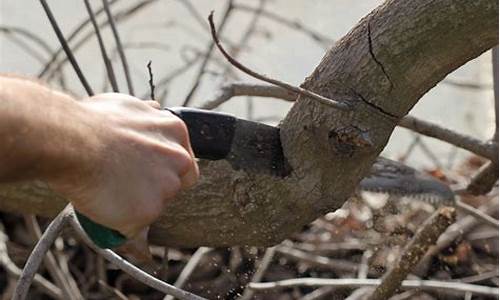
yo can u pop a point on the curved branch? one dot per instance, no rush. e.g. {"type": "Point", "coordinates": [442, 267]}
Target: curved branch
{"type": "Point", "coordinates": [37, 255]}
{"type": "Point", "coordinates": [11, 269]}
{"type": "Point", "coordinates": [132, 270]}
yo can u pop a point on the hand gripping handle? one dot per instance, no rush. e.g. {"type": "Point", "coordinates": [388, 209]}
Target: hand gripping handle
{"type": "Point", "coordinates": [211, 134]}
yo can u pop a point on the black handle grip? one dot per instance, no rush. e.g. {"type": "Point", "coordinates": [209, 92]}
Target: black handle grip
{"type": "Point", "coordinates": [211, 133]}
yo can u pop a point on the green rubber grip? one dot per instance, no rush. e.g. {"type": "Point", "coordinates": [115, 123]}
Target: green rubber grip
{"type": "Point", "coordinates": [101, 235]}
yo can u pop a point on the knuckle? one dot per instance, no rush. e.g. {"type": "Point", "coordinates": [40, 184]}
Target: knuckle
{"type": "Point", "coordinates": [172, 188]}
{"type": "Point", "coordinates": [181, 129]}
{"type": "Point", "coordinates": [183, 160]}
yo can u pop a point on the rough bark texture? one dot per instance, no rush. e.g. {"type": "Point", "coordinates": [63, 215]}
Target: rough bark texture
{"type": "Point", "coordinates": [382, 67]}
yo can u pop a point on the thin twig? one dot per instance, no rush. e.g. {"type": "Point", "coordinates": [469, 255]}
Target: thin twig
{"type": "Point", "coordinates": [320, 293]}
{"type": "Point", "coordinates": [336, 265]}
{"type": "Point", "coordinates": [465, 84]}
{"type": "Point", "coordinates": [485, 149]}
{"type": "Point", "coordinates": [430, 154]}
{"type": "Point", "coordinates": [448, 287]}
{"type": "Point", "coordinates": [151, 82]}
{"type": "Point", "coordinates": [26, 48]}
{"type": "Point", "coordinates": [71, 36]}
{"type": "Point", "coordinates": [66, 48]}
{"type": "Point", "coordinates": [364, 265]}
{"type": "Point", "coordinates": [299, 90]}
{"type": "Point", "coordinates": [28, 35]}
{"type": "Point", "coordinates": [164, 82]}
{"type": "Point", "coordinates": [245, 37]}
{"type": "Point", "coordinates": [62, 280]}
{"type": "Point", "coordinates": [112, 290]}
{"type": "Point", "coordinates": [189, 269]}
{"type": "Point", "coordinates": [316, 36]}
{"type": "Point", "coordinates": [13, 33]}
{"type": "Point", "coordinates": [208, 54]}
{"type": "Point", "coordinates": [414, 251]}
{"type": "Point", "coordinates": [196, 15]}
{"type": "Point", "coordinates": [132, 270]}
{"type": "Point", "coordinates": [119, 17]}
{"type": "Point", "coordinates": [484, 180]}
{"type": "Point", "coordinates": [121, 52]}
{"type": "Point", "coordinates": [360, 293]}
{"type": "Point", "coordinates": [494, 64]}
{"type": "Point", "coordinates": [459, 228]}
{"type": "Point", "coordinates": [486, 219]}
{"type": "Point", "coordinates": [332, 246]}
{"type": "Point", "coordinates": [228, 91]}
{"type": "Point", "coordinates": [259, 274]}
{"type": "Point", "coordinates": [11, 269]}
{"type": "Point", "coordinates": [478, 277]}
{"type": "Point", "coordinates": [37, 255]}
{"type": "Point", "coordinates": [102, 48]}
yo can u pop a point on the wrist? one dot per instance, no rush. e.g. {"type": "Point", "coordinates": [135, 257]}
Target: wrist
{"type": "Point", "coordinates": [45, 132]}
{"type": "Point", "coordinates": [72, 143]}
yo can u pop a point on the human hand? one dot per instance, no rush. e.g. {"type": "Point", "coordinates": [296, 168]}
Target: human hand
{"type": "Point", "coordinates": [139, 158]}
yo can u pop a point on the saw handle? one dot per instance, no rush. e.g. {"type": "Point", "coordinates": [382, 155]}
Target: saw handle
{"type": "Point", "coordinates": [211, 135]}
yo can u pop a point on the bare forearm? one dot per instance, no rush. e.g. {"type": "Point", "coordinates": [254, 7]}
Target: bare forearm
{"type": "Point", "coordinates": [35, 127]}
{"type": "Point", "coordinates": [110, 155]}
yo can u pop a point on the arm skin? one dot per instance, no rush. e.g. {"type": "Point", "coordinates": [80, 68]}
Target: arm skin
{"type": "Point", "coordinates": [117, 159]}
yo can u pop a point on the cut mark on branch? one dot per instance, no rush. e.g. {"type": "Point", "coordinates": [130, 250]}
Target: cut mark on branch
{"type": "Point", "coordinates": [151, 82]}
{"type": "Point", "coordinates": [370, 47]}
{"type": "Point", "coordinates": [299, 90]}
{"type": "Point", "coordinates": [376, 107]}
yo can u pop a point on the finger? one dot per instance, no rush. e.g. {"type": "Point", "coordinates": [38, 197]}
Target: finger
{"type": "Point", "coordinates": [181, 133]}
{"type": "Point", "coordinates": [153, 104]}
{"type": "Point", "coordinates": [191, 177]}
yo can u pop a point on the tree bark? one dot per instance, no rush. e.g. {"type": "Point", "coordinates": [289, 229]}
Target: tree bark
{"type": "Point", "coordinates": [381, 67]}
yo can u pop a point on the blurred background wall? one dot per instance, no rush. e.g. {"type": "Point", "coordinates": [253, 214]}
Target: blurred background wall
{"type": "Point", "coordinates": [286, 40]}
